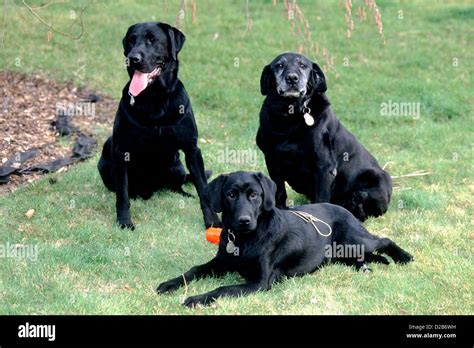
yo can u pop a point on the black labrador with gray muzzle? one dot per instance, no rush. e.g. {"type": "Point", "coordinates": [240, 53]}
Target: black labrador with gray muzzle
{"type": "Point", "coordinates": [154, 120]}
{"type": "Point", "coordinates": [305, 145]}
{"type": "Point", "coordinates": [265, 244]}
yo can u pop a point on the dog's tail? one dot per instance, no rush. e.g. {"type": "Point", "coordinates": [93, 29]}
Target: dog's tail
{"type": "Point", "coordinates": [189, 177]}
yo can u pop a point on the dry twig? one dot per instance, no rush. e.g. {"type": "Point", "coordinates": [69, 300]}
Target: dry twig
{"type": "Point", "coordinates": [33, 11]}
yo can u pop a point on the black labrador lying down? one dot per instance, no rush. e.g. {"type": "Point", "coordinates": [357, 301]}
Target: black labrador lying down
{"type": "Point", "coordinates": [154, 120]}
{"type": "Point", "coordinates": [305, 145]}
{"type": "Point", "coordinates": [265, 244]}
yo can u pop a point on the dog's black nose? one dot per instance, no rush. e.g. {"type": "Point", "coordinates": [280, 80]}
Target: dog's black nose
{"type": "Point", "coordinates": [292, 78]}
{"type": "Point", "coordinates": [134, 58]}
{"type": "Point", "coordinates": [244, 220]}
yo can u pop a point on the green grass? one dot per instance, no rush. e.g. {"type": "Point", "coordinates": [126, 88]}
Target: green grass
{"type": "Point", "coordinates": [88, 265]}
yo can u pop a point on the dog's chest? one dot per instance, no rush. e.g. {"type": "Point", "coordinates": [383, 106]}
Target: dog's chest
{"type": "Point", "coordinates": [245, 261]}
{"type": "Point", "coordinates": [300, 150]}
{"type": "Point", "coordinates": [163, 136]}
{"type": "Point", "coordinates": [153, 139]}
{"type": "Point", "coordinates": [295, 150]}
{"type": "Point", "coordinates": [249, 269]}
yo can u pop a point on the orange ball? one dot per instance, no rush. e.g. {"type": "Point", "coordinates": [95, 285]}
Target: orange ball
{"type": "Point", "coordinates": [213, 234]}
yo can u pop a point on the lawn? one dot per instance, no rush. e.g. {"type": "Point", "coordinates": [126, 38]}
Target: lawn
{"type": "Point", "coordinates": [87, 265]}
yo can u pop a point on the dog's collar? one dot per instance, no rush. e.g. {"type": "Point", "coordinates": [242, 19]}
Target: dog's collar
{"type": "Point", "coordinates": [305, 107]}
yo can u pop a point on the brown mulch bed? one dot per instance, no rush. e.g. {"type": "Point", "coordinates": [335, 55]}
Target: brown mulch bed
{"type": "Point", "coordinates": [28, 106]}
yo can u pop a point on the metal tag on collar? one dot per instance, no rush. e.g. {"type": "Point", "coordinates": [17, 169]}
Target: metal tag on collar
{"type": "Point", "coordinates": [230, 247]}
{"type": "Point", "coordinates": [132, 99]}
{"type": "Point", "coordinates": [308, 119]}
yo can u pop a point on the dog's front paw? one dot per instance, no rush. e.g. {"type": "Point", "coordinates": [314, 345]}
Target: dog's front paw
{"type": "Point", "coordinates": [215, 224]}
{"type": "Point", "coordinates": [194, 301]}
{"type": "Point", "coordinates": [126, 224]}
{"type": "Point", "coordinates": [168, 286]}
{"type": "Point", "coordinates": [212, 220]}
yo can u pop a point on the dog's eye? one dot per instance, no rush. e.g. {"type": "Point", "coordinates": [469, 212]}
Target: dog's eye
{"type": "Point", "coordinates": [253, 195]}
{"type": "Point", "coordinates": [279, 65]}
{"type": "Point", "coordinates": [303, 66]}
{"type": "Point", "coordinates": [231, 195]}
{"type": "Point", "coordinates": [151, 40]}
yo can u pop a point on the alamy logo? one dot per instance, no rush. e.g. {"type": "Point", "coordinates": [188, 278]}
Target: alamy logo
{"type": "Point", "coordinates": [76, 109]}
{"type": "Point", "coordinates": [351, 251]}
{"type": "Point", "coordinates": [237, 156]}
{"type": "Point", "coordinates": [392, 108]}
{"type": "Point", "coordinates": [20, 251]}
{"type": "Point", "coordinates": [37, 331]}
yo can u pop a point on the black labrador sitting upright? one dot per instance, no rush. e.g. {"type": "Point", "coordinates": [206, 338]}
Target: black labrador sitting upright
{"type": "Point", "coordinates": [305, 145]}
{"type": "Point", "coordinates": [264, 244]}
{"type": "Point", "coordinates": [154, 120]}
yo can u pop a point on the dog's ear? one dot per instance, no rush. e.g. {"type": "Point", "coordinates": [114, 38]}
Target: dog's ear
{"type": "Point", "coordinates": [269, 191]}
{"type": "Point", "coordinates": [213, 193]}
{"type": "Point", "coordinates": [267, 80]}
{"type": "Point", "coordinates": [317, 80]}
{"type": "Point", "coordinates": [176, 39]}
{"type": "Point", "coordinates": [124, 44]}
{"type": "Point", "coordinates": [124, 40]}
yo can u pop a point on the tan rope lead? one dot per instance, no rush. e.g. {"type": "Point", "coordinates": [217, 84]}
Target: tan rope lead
{"type": "Point", "coordinates": [307, 217]}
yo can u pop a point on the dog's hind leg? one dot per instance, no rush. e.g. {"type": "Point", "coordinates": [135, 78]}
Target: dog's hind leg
{"type": "Point", "coordinates": [387, 246]}
{"type": "Point", "coordinates": [190, 178]}
{"type": "Point", "coordinates": [362, 266]}
{"type": "Point", "coordinates": [175, 178]}
{"type": "Point", "coordinates": [171, 177]}
{"type": "Point", "coordinates": [106, 166]}
{"type": "Point", "coordinates": [371, 244]}
{"type": "Point", "coordinates": [375, 258]}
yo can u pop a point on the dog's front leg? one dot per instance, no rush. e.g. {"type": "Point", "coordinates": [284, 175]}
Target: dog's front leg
{"type": "Point", "coordinates": [213, 268]}
{"type": "Point", "coordinates": [229, 291]}
{"type": "Point", "coordinates": [324, 182]}
{"type": "Point", "coordinates": [195, 164]}
{"type": "Point", "coordinates": [325, 170]}
{"type": "Point", "coordinates": [273, 167]}
{"type": "Point", "coordinates": [265, 282]}
{"type": "Point", "coordinates": [280, 196]}
{"type": "Point", "coordinates": [122, 204]}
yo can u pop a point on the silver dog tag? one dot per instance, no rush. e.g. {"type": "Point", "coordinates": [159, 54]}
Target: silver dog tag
{"type": "Point", "coordinates": [230, 247]}
{"type": "Point", "coordinates": [132, 98]}
{"type": "Point", "coordinates": [308, 119]}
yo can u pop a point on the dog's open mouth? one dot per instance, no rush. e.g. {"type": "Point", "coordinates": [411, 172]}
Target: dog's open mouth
{"type": "Point", "coordinates": [140, 80]}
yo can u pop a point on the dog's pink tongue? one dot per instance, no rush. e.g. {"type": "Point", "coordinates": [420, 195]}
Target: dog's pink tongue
{"type": "Point", "coordinates": [139, 83]}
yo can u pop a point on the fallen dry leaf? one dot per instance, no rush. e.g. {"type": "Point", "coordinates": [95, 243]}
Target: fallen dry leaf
{"type": "Point", "coordinates": [29, 214]}
{"type": "Point", "coordinates": [205, 141]}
